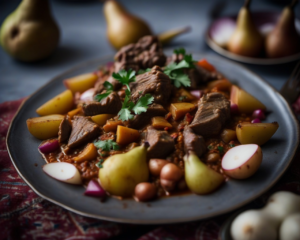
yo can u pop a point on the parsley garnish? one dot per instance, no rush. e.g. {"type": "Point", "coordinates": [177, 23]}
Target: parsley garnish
{"type": "Point", "coordinates": [231, 145]}
{"type": "Point", "coordinates": [106, 145]}
{"type": "Point", "coordinates": [210, 147]}
{"type": "Point", "coordinates": [109, 88]}
{"type": "Point", "coordinates": [99, 164]}
{"type": "Point", "coordinates": [179, 51]}
{"type": "Point", "coordinates": [181, 98]}
{"type": "Point", "coordinates": [221, 149]}
{"type": "Point", "coordinates": [141, 71]}
{"type": "Point", "coordinates": [128, 106]}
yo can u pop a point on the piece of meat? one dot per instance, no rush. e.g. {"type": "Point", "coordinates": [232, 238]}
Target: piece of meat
{"type": "Point", "coordinates": [139, 121]}
{"type": "Point", "coordinates": [146, 53]}
{"type": "Point", "coordinates": [161, 143]}
{"type": "Point", "coordinates": [110, 105]}
{"type": "Point", "coordinates": [154, 82]}
{"type": "Point", "coordinates": [99, 88]}
{"type": "Point", "coordinates": [64, 131]}
{"type": "Point", "coordinates": [193, 142]}
{"type": "Point", "coordinates": [213, 111]}
{"type": "Point", "coordinates": [83, 131]}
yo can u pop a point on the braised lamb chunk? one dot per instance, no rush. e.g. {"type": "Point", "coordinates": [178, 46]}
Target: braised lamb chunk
{"type": "Point", "coordinates": [193, 142]}
{"type": "Point", "coordinates": [146, 53]}
{"type": "Point", "coordinates": [111, 105]}
{"type": "Point", "coordinates": [161, 143]}
{"type": "Point", "coordinates": [64, 131]}
{"type": "Point", "coordinates": [83, 131]}
{"type": "Point", "coordinates": [213, 111]}
{"type": "Point", "coordinates": [154, 82]}
{"type": "Point", "coordinates": [139, 121]}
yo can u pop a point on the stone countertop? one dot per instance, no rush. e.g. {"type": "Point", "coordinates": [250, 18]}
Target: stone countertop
{"type": "Point", "coordinates": [83, 38]}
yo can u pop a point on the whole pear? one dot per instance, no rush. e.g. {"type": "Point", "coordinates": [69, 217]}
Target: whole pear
{"type": "Point", "coordinates": [284, 39]}
{"type": "Point", "coordinates": [246, 40]}
{"type": "Point", "coordinates": [123, 28]}
{"type": "Point", "coordinates": [122, 172]}
{"type": "Point", "coordinates": [199, 178]}
{"type": "Point", "coordinates": [30, 33]}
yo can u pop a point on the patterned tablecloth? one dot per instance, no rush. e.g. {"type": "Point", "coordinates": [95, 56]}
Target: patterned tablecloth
{"type": "Point", "coordinates": [24, 215]}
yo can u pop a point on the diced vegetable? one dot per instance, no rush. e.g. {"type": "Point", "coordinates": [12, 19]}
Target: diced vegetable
{"type": "Point", "coordinates": [234, 109]}
{"type": "Point", "coordinates": [222, 85]}
{"type": "Point", "coordinates": [94, 189]}
{"type": "Point", "coordinates": [44, 127]}
{"type": "Point", "coordinates": [185, 95]}
{"type": "Point", "coordinates": [101, 118]}
{"type": "Point", "coordinates": [127, 135]}
{"type": "Point", "coordinates": [88, 95]}
{"type": "Point", "coordinates": [89, 153]}
{"type": "Point", "coordinates": [178, 110]}
{"type": "Point", "coordinates": [258, 113]}
{"type": "Point", "coordinates": [160, 123]}
{"type": "Point", "coordinates": [60, 104]}
{"type": "Point", "coordinates": [228, 135]}
{"type": "Point", "coordinates": [246, 102]}
{"type": "Point", "coordinates": [257, 133]}
{"type": "Point", "coordinates": [49, 146]}
{"type": "Point", "coordinates": [197, 93]}
{"type": "Point", "coordinates": [206, 65]}
{"type": "Point", "coordinates": [256, 120]}
{"type": "Point", "coordinates": [72, 113]}
{"type": "Point", "coordinates": [62, 171]}
{"type": "Point", "coordinates": [242, 161]}
{"type": "Point", "coordinates": [81, 83]}
{"type": "Point", "coordinates": [112, 125]}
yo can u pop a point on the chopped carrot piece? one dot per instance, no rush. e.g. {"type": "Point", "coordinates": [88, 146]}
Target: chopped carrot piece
{"type": "Point", "coordinates": [72, 113]}
{"type": "Point", "coordinates": [127, 135]}
{"type": "Point", "coordinates": [111, 125]}
{"type": "Point", "coordinates": [206, 65]}
{"type": "Point", "coordinates": [89, 153]}
{"type": "Point", "coordinates": [160, 123]}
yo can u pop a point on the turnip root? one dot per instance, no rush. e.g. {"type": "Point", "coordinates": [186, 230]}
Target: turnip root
{"type": "Point", "coordinates": [242, 161]}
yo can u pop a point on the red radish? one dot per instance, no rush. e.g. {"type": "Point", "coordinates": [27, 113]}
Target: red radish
{"type": "Point", "coordinates": [197, 93]}
{"type": "Point", "coordinates": [259, 114]}
{"type": "Point", "coordinates": [242, 161]}
{"type": "Point", "coordinates": [234, 109]}
{"type": "Point", "coordinates": [49, 146]}
{"type": "Point", "coordinates": [87, 95]}
{"type": "Point", "coordinates": [256, 120]}
{"type": "Point", "coordinates": [94, 189]}
{"type": "Point", "coordinates": [62, 171]}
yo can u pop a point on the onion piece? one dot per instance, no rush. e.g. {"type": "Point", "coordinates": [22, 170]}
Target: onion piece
{"type": "Point", "coordinates": [221, 31]}
{"type": "Point", "coordinates": [49, 146]}
{"type": "Point", "coordinates": [94, 189]}
{"type": "Point", "coordinates": [234, 109]}
{"type": "Point", "coordinates": [242, 161]}
{"type": "Point", "coordinates": [258, 113]}
{"type": "Point", "coordinates": [87, 95]}
{"type": "Point", "coordinates": [62, 171]}
{"type": "Point", "coordinates": [197, 93]}
{"type": "Point", "coordinates": [256, 120]}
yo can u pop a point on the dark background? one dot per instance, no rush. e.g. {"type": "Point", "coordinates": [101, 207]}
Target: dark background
{"type": "Point", "coordinates": [83, 37]}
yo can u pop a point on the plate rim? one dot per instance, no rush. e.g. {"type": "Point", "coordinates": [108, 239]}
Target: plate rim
{"type": "Point", "coordinates": [163, 221]}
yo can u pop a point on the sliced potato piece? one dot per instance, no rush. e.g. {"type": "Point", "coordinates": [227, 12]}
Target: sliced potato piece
{"type": "Point", "coordinates": [44, 127]}
{"type": "Point", "coordinates": [89, 153]}
{"type": "Point", "coordinates": [228, 135]}
{"type": "Point", "coordinates": [112, 125]}
{"type": "Point", "coordinates": [126, 135]}
{"type": "Point", "coordinates": [81, 83]}
{"type": "Point", "coordinates": [257, 133]}
{"type": "Point", "coordinates": [60, 104]}
{"type": "Point", "coordinates": [178, 110]}
{"type": "Point", "coordinates": [160, 123]}
{"type": "Point", "coordinates": [186, 95]}
{"type": "Point", "coordinates": [245, 101]}
{"type": "Point", "coordinates": [102, 118]}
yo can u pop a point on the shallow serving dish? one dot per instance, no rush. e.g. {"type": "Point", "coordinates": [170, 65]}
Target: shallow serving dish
{"type": "Point", "coordinates": [278, 153]}
{"type": "Point", "coordinates": [264, 21]}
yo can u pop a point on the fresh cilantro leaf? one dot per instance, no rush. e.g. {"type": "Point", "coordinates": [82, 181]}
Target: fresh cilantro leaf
{"type": "Point", "coordinates": [106, 145]}
{"type": "Point", "coordinates": [125, 77]}
{"type": "Point", "coordinates": [221, 149]}
{"type": "Point", "coordinates": [181, 98]}
{"type": "Point", "coordinates": [142, 104]}
{"type": "Point", "coordinates": [179, 51]}
{"type": "Point", "coordinates": [231, 145]}
{"type": "Point", "coordinates": [99, 97]}
{"type": "Point", "coordinates": [125, 114]}
{"type": "Point", "coordinates": [180, 78]}
{"type": "Point", "coordinates": [108, 85]}
{"type": "Point", "coordinates": [210, 147]}
{"type": "Point", "coordinates": [99, 164]}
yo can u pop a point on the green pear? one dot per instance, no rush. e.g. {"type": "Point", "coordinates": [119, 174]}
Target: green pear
{"type": "Point", "coordinates": [199, 178]}
{"type": "Point", "coordinates": [122, 172]}
{"type": "Point", "coordinates": [123, 28]}
{"type": "Point", "coordinates": [284, 39]}
{"type": "Point", "coordinates": [30, 33]}
{"type": "Point", "coordinates": [246, 40]}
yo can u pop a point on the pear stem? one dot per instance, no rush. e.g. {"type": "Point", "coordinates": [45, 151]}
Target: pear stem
{"type": "Point", "coordinates": [247, 4]}
{"type": "Point", "coordinates": [293, 4]}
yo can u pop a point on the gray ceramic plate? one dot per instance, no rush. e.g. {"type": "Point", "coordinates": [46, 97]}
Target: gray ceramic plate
{"type": "Point", "coordinates": [278, 153]}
